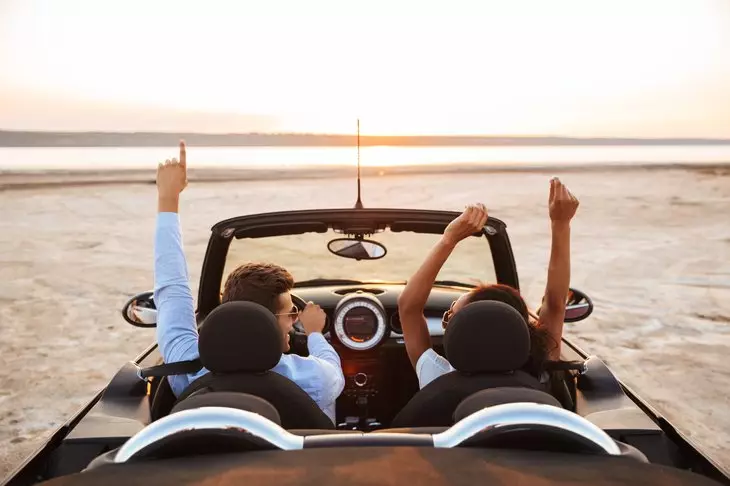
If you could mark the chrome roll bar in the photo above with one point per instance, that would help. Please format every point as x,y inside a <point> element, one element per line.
<point>210,418</point>
<point>488,422</point>
<point>498,418</point>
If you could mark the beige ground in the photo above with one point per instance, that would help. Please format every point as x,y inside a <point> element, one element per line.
<point>651,247</point>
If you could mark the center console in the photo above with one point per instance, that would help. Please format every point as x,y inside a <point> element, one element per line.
<point>377,385</point>
<point>359,406</point>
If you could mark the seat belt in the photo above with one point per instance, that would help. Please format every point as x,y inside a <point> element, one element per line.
<point>170,369</point>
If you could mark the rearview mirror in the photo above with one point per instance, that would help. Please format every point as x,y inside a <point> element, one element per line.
<point>578,306</point>
<point>357,248</point>
<point>140,310</point>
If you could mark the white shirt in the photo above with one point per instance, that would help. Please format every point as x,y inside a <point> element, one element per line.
<point>319,374</point>
<point>431,365</point>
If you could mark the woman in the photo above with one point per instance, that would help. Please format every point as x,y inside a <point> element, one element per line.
<point>546,330</point>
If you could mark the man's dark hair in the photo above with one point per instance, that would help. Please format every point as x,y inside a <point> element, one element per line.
<point>261,283</point>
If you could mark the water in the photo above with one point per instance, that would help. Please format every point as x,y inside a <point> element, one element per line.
<point>107,158</point>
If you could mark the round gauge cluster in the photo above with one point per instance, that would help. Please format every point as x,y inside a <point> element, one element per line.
<point>359,321</point>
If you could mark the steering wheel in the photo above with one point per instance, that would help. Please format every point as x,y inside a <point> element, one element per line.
<point>297,336</point>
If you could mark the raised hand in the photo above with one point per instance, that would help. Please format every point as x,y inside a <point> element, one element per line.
<point>172,179</point>
<point>562,203</point>
<point>471,221</point>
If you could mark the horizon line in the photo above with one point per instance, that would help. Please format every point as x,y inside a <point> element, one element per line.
<point>353,135</point>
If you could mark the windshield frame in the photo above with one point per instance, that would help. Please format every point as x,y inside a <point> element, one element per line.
<point>348,222</point>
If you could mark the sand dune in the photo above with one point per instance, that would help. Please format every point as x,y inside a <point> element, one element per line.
<point>651,247</point>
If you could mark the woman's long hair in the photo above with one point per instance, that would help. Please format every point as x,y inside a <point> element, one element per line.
<point>541,343</point>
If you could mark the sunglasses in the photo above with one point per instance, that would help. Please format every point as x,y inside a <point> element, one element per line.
<point>293,313</point>
<point>447,315</point>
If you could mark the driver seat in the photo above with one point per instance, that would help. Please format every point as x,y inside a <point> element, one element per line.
<point>240,342</point>
<point>487,342</point>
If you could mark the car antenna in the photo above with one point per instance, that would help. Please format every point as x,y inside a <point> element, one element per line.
<point>358,204</point>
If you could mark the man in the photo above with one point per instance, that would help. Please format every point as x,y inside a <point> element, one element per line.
<point>545,332</point>
<point>320,374</point>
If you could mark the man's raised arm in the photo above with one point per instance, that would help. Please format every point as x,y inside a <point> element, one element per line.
<point>177,335</point>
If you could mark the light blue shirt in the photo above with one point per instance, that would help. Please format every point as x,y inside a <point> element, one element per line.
<point>319,374</point>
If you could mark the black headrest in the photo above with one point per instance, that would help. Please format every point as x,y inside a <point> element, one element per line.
<point>487,336</point>
<point>499,396</point>
<point>240,336</point>
<point>240,401</point>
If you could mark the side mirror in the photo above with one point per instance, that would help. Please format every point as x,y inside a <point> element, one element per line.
<point>140,310</point>
<point>578,306</point>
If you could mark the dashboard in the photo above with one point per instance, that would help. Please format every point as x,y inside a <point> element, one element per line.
<point>365,316</point>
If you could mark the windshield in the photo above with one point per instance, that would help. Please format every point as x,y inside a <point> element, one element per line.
<point>306,256</point>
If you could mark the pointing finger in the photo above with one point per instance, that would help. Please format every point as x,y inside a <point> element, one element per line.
<point>183,153</point>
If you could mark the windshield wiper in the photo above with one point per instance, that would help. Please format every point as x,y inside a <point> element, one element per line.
<point>326,281</point>
<point>453,283</point>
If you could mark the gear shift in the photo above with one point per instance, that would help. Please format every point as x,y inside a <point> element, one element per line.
<point>366,423</point>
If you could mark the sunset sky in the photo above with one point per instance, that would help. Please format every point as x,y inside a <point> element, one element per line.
<point>642,68</point>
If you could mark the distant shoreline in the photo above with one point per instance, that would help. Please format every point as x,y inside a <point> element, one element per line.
<point>69,178</point>
<point>10,138</point>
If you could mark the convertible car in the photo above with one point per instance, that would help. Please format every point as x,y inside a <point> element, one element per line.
<point>484,423</point>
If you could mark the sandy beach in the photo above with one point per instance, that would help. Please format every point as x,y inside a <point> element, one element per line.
<point>651,247</point>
